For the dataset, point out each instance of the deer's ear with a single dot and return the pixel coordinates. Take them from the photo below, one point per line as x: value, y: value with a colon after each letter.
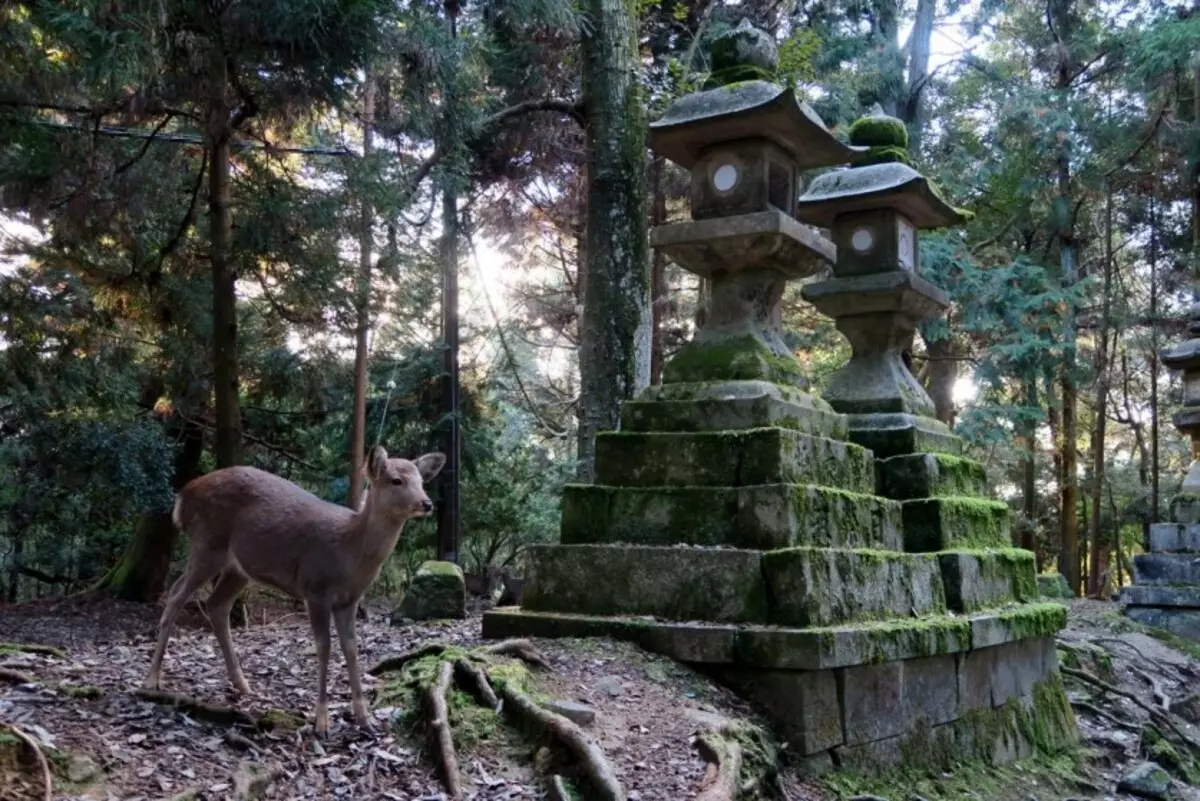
x: 430, y: 465
x: 376, y: 462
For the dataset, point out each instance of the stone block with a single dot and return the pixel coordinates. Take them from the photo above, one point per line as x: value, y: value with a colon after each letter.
x: 1166, y: 568
x: 1016, y: 668
x: 1181, y: 622
x: 641, y: 580
x: 1044, y: 619
x: 437, y: 591
x: 976, y: 580
x: 872, y: 701
x: 1054, y: 585
x: 975, y: 678
x: 1174, y: 538
x: 730, y: 459
x: 894, y: 434
x: 803, y: 704
x: 931, y: 689
x: 728, y: 406
x: 827, y: 586
x: 1150, y: 595
x: 943, y: 524
x: 925, y: 475
x: 856, y: 644
x: 764, y: 517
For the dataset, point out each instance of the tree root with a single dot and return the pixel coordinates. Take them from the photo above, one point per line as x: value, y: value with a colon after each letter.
x: 213, y: 713
x: 724, y: 758
x: 397, y: 662
x: 477, y: 675
x: 47, y: 779
x: 15, y: 676
x: 441, y: 735
x: 1156, y: 714
x: 33, y: 648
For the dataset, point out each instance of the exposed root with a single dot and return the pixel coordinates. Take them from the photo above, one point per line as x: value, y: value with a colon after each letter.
x: 397, y: 662
x: 441, y: 735
x: 592, y: 761
x: 215, y: 713
x: 1155, y: 713
x: 724, y: 757
x: 471, y: 679
x: 1092, y: 709
x: 558, y: 789
x: 1156, y: 686
x: 521, y: 649
x: 33, y: 648
x: 47, y: 780
x: 15, y: 676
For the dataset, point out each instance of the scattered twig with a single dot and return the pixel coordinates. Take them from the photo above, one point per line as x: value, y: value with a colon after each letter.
x: 471, y: 679
x: 591, y: 759
x: 47, y: 780
x: 441, y: 736
x: 522, y: 649
x: 724, y: 757
x: 397, y: 662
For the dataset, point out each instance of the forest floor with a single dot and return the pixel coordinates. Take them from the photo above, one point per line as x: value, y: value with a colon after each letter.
x: 104, y: 741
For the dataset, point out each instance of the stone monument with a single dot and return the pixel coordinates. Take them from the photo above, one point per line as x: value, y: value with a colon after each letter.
x: 1166, y: 588
x: 833, y: 559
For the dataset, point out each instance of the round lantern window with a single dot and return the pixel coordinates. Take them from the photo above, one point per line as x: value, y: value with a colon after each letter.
x: 725, y: 177
x: 862, y: 240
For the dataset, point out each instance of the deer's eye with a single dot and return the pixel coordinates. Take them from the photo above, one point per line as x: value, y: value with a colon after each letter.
x: 397, y: 481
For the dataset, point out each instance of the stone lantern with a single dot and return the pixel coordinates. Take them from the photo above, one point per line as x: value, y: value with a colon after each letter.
x: 876, y: 295
x: 745, y: 143
x: 1186, y: 357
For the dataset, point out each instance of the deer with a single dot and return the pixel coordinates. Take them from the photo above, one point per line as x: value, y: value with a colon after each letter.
x: 247, y: 525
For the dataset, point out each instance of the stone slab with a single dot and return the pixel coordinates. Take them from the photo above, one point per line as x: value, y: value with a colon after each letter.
x: 925, y: 475
x: 764, y: 517
x: 983, y: 579
x: 731, y: 459
x: 804, y: 704
x: 943, y: 524
x: 728, y: 406
x: 789, y: 648
x: 1174, y: 538
x: 895, y: 434
x: 931, y: 689
x: 641, y: 580
x: 1166, y: 568
x: 872, y: 701
x: 1181, y: 622
x: 1150, y: 595
x: 828, y: 586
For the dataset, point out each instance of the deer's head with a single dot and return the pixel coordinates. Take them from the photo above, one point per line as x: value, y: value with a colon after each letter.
x: 397, y: 485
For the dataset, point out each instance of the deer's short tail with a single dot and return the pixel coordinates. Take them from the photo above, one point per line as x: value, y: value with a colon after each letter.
x: 177, y: 512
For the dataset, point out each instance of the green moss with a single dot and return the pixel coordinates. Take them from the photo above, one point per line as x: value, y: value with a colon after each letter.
x: 84, y: 691
x: 442, y: 569
x: 32, y: 648
x: 1034, y: 620
x: 883, y: 155
x: 280, y: 720
x: 878, y: 131
x: 744, y: 358
x: 943, y: 524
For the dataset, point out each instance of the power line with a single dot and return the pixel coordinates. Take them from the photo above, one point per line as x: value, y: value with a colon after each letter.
x: 178, y: 138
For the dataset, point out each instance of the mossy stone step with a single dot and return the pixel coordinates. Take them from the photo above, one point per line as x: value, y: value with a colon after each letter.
x: 925, y: 475
x: 889, y: 434
x: 714, y: 584
x: 1161, y: 569
x: 945, y: 524
x: 981, y: 579
x: 826, y: 586
x: 765, y: 517
x: 730, y: 414
x: 791, y: 648
x: 731, y: 459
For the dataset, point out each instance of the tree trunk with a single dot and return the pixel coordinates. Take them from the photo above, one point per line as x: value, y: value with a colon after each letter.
x: 918, y: 48
x: 1152, y: 357
x: 1029, y: 497
x: 141, y: 574
x: 1100, y: 429
x: 228, y: 449
x: 362, y: 329
x: 615, y: 337
x: 658, y: 274
x: 942, y: 376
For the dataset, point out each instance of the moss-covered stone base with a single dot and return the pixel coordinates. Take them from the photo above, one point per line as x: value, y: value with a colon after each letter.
x: 437, y: 591
x: 743, y: 358
x: 981, y: 579
x: 926, y: 475
x: 943, y: 524
x: 898, y: 434
x: 765, y: 516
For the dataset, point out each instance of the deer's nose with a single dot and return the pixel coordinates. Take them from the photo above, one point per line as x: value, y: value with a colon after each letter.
x: 426, y: 506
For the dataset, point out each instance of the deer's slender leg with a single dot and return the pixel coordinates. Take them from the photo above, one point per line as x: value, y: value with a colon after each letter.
x: 318, y: 616
x: 220, y: 604
x: 200, y: 568
x: 343, y: 619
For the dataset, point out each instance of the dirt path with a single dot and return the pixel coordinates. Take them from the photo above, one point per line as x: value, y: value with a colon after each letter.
x: 114, y: 744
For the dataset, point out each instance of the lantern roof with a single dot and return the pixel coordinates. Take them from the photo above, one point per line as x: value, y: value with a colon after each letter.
x: 876, y: 186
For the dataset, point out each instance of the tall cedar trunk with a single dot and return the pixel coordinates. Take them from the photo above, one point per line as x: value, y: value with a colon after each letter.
x: 942, y: 375
x: 228, y: 448
x: 1054, y: 423
x: 1155, y: 502
x: 358, y: 425
x: 918, y: 47
x: 14, y: 566
x: 1098, y: 432
x: 1069, y: 265
x: 1029, y: 497
x: 658, y: 274
x: 615, y: 337
x: 141, y: 573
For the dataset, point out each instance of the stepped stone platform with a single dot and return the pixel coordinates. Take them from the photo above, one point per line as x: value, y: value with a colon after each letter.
x: 873, y: 607
x: 1166, y: 588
